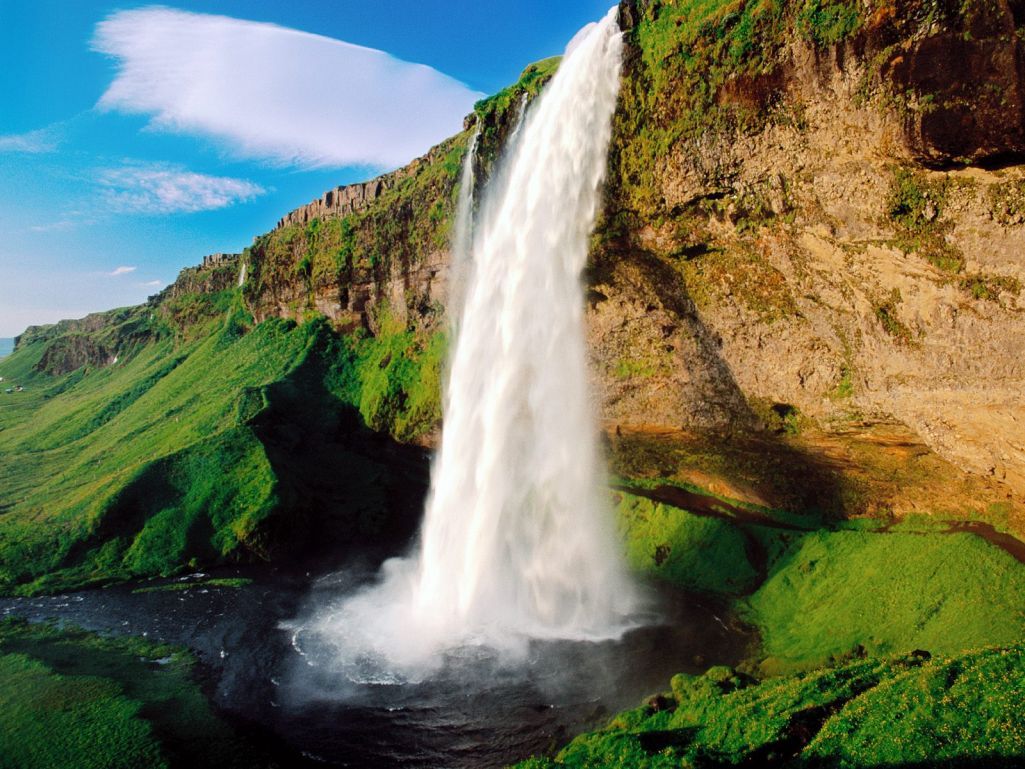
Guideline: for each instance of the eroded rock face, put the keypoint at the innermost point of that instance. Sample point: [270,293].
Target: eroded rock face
[817,262]
[969,80]
[217,272]
[353,198]
[70,352]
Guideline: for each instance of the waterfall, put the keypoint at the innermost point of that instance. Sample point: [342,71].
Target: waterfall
[516,532]
[462,239]
[517,541]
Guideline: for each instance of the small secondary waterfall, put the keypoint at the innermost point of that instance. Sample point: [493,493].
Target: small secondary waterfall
[517,540]
[462,239]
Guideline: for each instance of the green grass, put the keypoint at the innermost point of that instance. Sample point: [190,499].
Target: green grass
[666,543]
[834,589]
[906,709]
[202,444]
[73,699]
[829,592]
[51,721]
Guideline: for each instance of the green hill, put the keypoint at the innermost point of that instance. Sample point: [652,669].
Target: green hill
[198,442]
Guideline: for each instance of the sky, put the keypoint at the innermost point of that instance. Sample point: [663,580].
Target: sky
[135,138]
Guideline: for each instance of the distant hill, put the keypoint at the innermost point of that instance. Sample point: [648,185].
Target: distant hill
[6,347]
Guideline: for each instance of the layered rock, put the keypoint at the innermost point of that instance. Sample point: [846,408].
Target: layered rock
[216,272]
[354,198]
[811,263]
[790,245]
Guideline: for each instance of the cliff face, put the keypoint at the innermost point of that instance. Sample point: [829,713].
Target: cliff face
[813,232]
[796,251]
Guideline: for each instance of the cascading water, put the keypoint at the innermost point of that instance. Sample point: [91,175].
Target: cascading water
[517,542]
[462,238]
[515,535]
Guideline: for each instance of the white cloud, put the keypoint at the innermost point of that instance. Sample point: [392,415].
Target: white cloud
[275,93]
[121,271]
[33,142]
[156,188]
[152,283]
[57,226]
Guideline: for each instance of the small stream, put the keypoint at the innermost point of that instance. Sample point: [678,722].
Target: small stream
[476,712]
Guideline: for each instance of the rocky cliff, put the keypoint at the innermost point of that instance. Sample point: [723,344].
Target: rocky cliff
[812,237]
[836,235]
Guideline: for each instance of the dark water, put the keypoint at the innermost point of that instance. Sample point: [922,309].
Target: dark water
[476,712]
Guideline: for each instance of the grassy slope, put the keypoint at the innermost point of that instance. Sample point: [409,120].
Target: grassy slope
[907,711]
[839,679]
[833,590]
[72,699]
[199,448]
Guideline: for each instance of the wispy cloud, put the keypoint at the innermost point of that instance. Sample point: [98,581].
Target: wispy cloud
[275,93]
[121,271]
[152,283]
[57,226]
[155,188]
[33,142]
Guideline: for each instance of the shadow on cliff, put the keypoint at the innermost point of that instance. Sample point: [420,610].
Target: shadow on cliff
[344,489]
[742,450]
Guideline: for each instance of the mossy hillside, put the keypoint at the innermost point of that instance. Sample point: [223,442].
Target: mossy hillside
[496,114]
[94,340]
[51,722]
[830,592]
[706,65]
[410,220]
[823,591]
[73,699]
[911,710]
[698,553]
[72,479]
[203,449]
[393,377]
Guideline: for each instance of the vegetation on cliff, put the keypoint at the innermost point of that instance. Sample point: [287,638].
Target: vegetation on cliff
[205,442]
[905,710]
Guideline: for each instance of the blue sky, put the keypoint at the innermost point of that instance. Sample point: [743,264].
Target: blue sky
[136,138]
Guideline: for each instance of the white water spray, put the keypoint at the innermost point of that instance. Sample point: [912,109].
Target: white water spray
[517,541]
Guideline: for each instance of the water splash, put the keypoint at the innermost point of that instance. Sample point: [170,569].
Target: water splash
[517,541]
